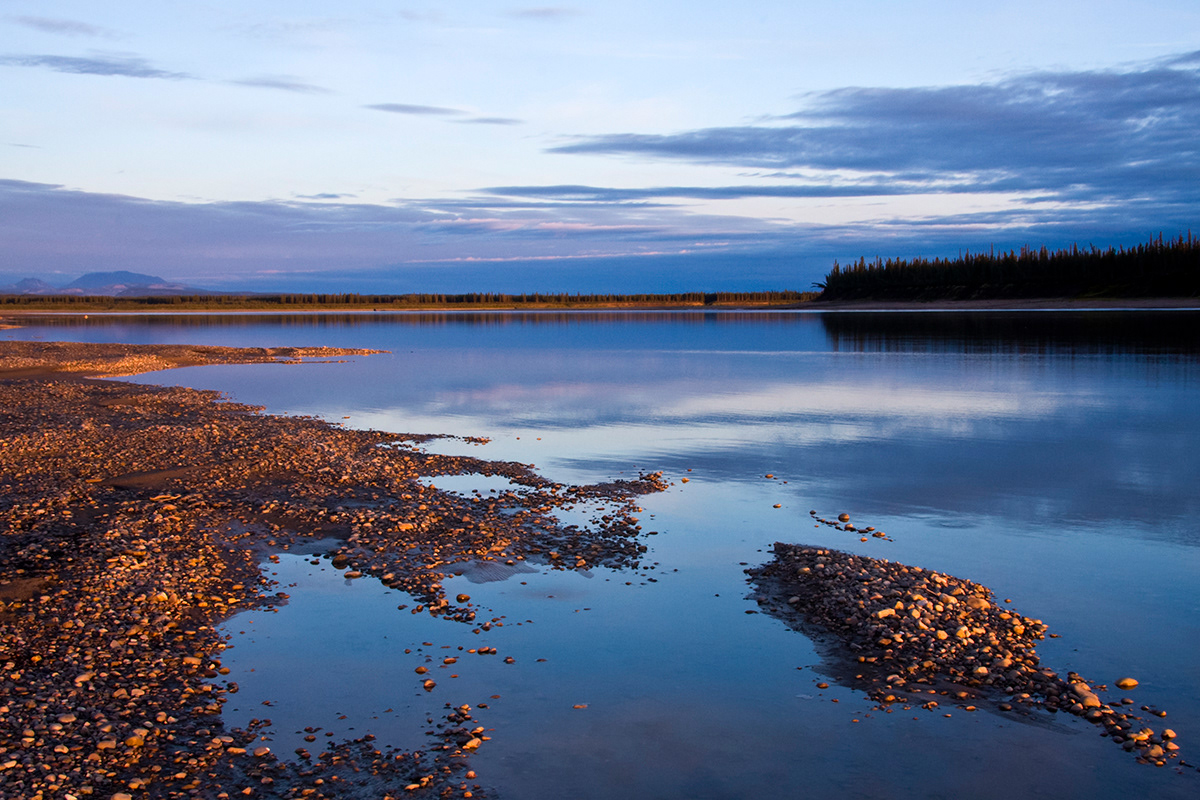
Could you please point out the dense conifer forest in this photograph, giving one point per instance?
(1158, 268)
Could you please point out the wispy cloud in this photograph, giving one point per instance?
(416, 110)
(285, 83)
(603, 194)
(1073, 136)
(545, 12)
(491, 121)
(442, 111)
(124, 66)
(66, 27)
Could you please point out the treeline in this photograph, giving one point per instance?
(394, 301)
(1158, 268)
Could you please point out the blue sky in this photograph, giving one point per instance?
(617, 146)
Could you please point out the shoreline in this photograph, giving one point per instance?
(815, 306)
(133, 521)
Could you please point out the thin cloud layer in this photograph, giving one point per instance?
(441, 111)
(284, 83)
(1075, 136)
(545, 13)
(123, 66)
(66, 27)
(491, 121)
(46, 228)
(416, 110)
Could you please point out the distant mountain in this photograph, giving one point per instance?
(110, 284)
(105, 280)
(31, 286)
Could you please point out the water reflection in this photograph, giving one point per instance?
(1167, 332)
(1066, 333)
(1080, 418)
(1051, 456)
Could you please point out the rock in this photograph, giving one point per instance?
(1126, 683)
(910, 626)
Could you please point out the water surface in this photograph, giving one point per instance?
(1052, 456)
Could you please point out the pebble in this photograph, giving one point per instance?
(114, 650)
(893, 622)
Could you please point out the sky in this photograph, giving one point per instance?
(378, 146)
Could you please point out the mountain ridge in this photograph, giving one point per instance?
(120, 283)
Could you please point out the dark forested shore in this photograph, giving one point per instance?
(1158, 268)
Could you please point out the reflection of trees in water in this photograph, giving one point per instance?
(975, 332)
(1021, 332)
(325, 320)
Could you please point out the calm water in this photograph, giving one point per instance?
(1053, 456)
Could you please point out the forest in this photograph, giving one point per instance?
(1158, 268)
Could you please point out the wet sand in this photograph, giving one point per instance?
(134, 519)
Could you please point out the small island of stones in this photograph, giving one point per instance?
(907, 635)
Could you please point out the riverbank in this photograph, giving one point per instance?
(134, 519)
(14, 318)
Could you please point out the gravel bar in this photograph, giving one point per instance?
(909, 635)
(133, 521)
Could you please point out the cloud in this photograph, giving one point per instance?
(284, 83)
(324, 196)
(442, 111)
(491, 121)
(1100, 136)
(47, 228)
(405, 108)
(545, 13)
(67, 27)
(124, 66)
(601, 194)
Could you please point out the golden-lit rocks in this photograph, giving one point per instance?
(903, 632)
(132, 522)
(1127, 683)
(842, 523)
